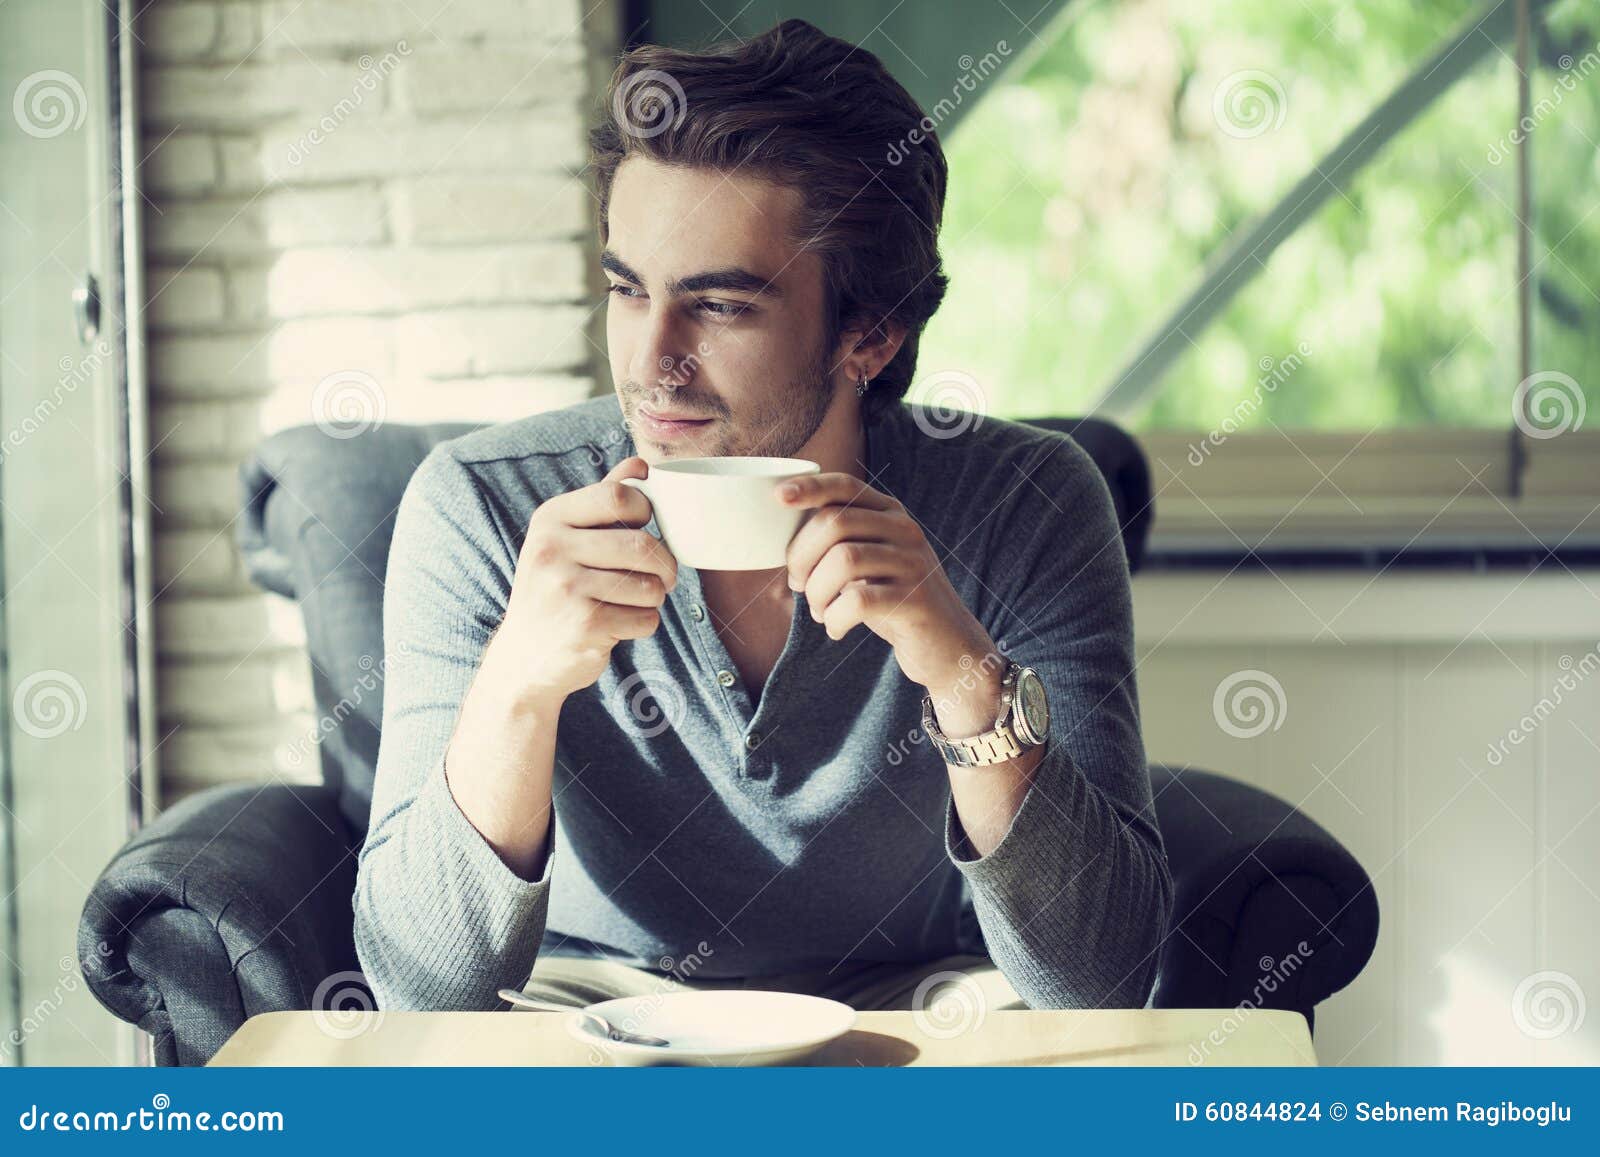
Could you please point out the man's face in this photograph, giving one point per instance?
(713, 316)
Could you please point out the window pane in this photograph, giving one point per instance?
(1562, 134)
(1089, 188)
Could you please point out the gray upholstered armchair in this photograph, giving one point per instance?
(237, 901)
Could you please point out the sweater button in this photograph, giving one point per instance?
(725, 677)
(752, 741)
(697, 612)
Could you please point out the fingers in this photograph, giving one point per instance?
(617, 621)
(833, 487)
(828, 527)
(615, 549)
(625, 588)
(847, 562)
(862, 602)
(607, 502)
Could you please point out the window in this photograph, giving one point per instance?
(1287, 245)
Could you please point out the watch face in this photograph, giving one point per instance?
(1031, 704)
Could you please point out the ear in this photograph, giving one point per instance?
(867, 347)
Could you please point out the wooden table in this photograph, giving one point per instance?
(1004, 1037)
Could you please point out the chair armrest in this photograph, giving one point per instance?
(236, 901)
(1269, 908)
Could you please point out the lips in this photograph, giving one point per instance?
(657, 416)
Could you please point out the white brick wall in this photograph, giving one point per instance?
(333, 186)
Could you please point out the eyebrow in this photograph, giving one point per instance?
(733, 278)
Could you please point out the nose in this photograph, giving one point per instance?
(659, 359)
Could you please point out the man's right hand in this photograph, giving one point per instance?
(587, 577)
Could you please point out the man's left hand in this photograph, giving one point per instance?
(862, 559)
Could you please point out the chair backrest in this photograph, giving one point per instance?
(318, 517)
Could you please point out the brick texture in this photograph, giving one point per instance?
(383, 187)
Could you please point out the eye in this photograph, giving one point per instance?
(724, 309)
(626, 291)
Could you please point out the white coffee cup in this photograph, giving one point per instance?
(723, 513)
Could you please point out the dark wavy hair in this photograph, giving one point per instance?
(808, 110)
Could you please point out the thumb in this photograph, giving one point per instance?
(634, 467)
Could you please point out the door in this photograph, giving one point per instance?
(69, 629)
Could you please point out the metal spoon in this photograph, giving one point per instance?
(594, 1018)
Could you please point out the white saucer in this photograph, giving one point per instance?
(732, 1027)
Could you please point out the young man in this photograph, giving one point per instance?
(601, 771)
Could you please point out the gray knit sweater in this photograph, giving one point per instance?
(794, 828)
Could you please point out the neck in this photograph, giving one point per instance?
(839, 444)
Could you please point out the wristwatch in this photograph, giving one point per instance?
(1023, 722)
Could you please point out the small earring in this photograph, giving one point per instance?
(861, 386)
